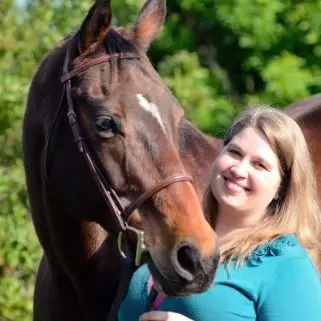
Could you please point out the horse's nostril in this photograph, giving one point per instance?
(187, 262)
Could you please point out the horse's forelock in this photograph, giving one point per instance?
(115, 43)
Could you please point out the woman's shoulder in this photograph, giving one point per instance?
(266, 262)
(288, 277)
(279, 249)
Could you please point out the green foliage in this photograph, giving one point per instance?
(286, 78)
(216, 56)
(195, 89)
(19, 249)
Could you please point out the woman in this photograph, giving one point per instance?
(262, 200)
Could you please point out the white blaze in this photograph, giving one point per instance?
(150, 108)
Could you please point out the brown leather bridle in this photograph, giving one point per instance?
(121, 214)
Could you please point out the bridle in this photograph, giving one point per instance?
(120, 213)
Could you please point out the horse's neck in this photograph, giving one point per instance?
(305, 108)
(46, 87)
(197, 152)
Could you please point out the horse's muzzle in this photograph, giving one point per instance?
(189, 272)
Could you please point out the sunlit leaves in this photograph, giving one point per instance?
(193, 86)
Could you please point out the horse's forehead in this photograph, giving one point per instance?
(151, 108)
(132, 86)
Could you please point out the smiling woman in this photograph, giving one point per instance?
(246, 178)
(265, 154)
(262, 203)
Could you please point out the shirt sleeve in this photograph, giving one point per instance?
(294, 293)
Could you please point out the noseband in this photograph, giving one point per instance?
(121, 214)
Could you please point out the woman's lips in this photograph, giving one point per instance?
(233, 186)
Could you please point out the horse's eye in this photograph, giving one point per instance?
(104, 123)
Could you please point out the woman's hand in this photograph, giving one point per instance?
(163, 316)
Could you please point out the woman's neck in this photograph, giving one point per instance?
(229, 220)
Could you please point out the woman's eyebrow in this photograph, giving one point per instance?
(233, 145)
(264, 161)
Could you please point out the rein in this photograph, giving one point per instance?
(121, 214)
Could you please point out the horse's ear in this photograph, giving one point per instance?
(149, 22)
(96, 24)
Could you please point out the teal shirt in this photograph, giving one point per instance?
(278, 283)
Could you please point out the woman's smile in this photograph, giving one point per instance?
(234, 187)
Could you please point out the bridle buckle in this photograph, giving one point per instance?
(140, 244)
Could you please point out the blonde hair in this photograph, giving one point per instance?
(296, 210)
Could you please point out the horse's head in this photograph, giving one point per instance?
(130, 121)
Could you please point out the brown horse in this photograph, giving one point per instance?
(124, 172)
(307, 113)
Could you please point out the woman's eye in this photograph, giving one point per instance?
(234, 152)
(104, 124)
(259, 165)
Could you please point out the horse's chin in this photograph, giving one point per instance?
(173, 284)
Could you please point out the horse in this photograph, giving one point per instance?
(307, 113)
(108, 187)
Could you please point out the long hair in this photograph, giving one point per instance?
(296, 209)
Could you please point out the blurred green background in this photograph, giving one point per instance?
(216, 56)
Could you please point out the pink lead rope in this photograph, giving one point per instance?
(160, 297)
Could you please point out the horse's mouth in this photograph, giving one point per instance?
(161, 283)
(173, 284)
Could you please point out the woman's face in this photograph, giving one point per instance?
(246, 175)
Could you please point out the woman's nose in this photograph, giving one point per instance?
(240, 169)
